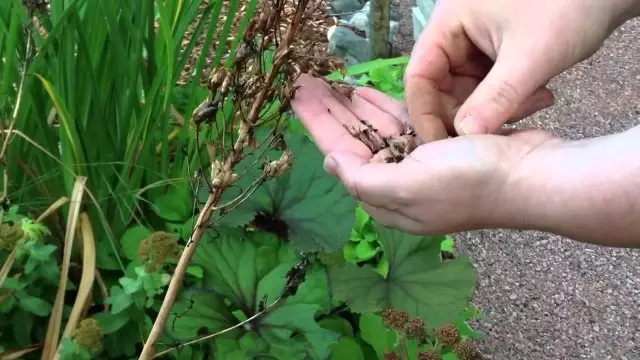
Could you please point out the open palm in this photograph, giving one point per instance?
(444, 186)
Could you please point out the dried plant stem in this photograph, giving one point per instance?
(223, 331)
(176, 280)
(224, 171)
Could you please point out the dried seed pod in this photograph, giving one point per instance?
(394, 319)
(88, 334)
(431, 354)
(447, 334)
(205, 112)
(415, 329)
(366, 133)
(464, 350)
(278, 167)
(217, 76)
(391, 355)
(401, 146)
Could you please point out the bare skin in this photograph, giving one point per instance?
(470, 86)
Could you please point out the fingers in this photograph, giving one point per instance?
(441, 47)
(327, 131)
(514, 87)
(374, 114)
(395, 108)
(373, 183)
(394, 219)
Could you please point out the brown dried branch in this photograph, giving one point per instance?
(250, 89)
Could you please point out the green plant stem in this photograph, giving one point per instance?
(403, 345)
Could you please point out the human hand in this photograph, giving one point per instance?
(480, 64)
(441, 187)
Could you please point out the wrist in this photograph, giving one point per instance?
(585, 190)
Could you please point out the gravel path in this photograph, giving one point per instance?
(544, 296)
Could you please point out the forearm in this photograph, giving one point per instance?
(585, 190)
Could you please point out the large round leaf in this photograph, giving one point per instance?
(418, 281)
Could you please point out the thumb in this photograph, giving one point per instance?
(514, 86)
(373, 183)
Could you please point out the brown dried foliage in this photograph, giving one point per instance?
(310, 43)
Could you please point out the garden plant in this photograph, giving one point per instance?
(160, 200)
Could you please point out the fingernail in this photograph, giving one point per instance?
(331, 165)
(470, 126)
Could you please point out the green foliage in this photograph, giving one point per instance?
(308, 206)
(418, 281)
(386, 75)
(24, 301)
(98, 104)
(242, 270)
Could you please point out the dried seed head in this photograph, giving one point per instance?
(88, 334)
(391, 355)
(278, 167)
(10, 234)
(218, 74)
(342, 88)
(157, 249)
(431, 354)
(447, 334)
(394, 319)
(401, 146)
(35, 5)
(220, 176)
(464, 350)
(415, 329)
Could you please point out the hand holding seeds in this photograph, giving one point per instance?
(438, 187)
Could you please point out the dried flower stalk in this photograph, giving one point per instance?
(249, 89)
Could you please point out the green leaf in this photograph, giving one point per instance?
(175, 205)
(236, 262)
(346, 348)
(245, 268)
(118, 299)
(122, 343)
(366, 250)
(131, 286)
(372, 331)
(362, 218)
(22, 324)
(447, 244)
(105, 257)
(110, 323)
(278, 325)
(33, 304)
(337, 324)
(196, 311)
(418, 282)
(318, 212)
(195, 271)
(132, 239)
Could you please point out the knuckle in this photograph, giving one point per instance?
(505, 95)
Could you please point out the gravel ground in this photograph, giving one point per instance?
(545, 296)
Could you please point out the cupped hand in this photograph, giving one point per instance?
(481, 64)
(441, 187)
